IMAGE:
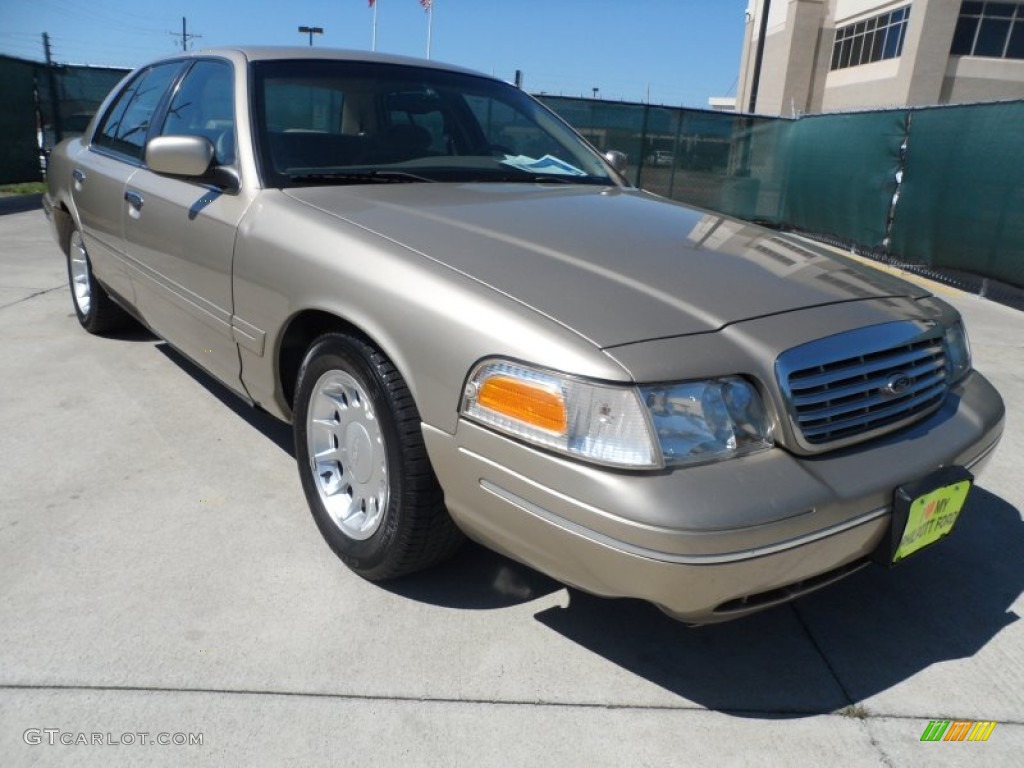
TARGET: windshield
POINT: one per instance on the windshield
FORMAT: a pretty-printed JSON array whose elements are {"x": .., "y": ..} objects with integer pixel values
[{"x": 342, "y": 122}]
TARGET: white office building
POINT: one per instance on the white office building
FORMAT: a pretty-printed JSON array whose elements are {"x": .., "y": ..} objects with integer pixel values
[{"x": 803, "y": 56}]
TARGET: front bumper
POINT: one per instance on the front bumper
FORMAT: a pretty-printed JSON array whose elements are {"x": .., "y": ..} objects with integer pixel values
[{"x": 711, "y": 542}]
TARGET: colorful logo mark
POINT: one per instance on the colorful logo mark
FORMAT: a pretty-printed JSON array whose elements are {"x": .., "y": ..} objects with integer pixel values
[{"x": 958, "y": 730}]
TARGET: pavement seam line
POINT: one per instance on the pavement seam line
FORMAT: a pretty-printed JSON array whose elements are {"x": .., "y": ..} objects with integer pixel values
[
  {"x": 835, "y": 676},
  {"x": 396, "y": 698},
  {"x": 32, "y": 296},
  {"x": 450, "y": 700}
]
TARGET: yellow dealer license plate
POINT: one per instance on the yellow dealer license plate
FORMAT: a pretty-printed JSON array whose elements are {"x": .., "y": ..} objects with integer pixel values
[{"x": 931, "y": 516}]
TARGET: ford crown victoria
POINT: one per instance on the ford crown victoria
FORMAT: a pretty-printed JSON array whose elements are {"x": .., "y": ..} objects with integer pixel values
[{"x": 477, "y": 328}]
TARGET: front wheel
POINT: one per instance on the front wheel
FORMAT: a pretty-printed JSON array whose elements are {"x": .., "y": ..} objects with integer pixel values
[
  {"x": 362, "y": 462},
  {"x": 95, "y": 310}
]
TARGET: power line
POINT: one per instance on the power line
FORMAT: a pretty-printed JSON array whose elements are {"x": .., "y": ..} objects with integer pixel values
[
  {"x": 21, "y": 35},
  {"x": 91, "y": 15}
]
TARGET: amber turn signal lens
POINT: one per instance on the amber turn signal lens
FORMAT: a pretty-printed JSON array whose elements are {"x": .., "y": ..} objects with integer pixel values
[{"x": 527, "y": 402}]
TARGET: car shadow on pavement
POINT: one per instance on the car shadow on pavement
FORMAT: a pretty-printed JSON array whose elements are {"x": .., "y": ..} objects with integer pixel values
[
  {"x": 830, "y": 649},
  {"x": 826, "y": 651},
  {"x": 275, "y": 430},
  {"x": 133, "y": 331},
  {"x": 475, "y": 579},
  {"x": 20, "y": 203}
]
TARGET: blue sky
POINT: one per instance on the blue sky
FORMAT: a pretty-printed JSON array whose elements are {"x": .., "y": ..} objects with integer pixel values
[{"x": 683, "y": 50}]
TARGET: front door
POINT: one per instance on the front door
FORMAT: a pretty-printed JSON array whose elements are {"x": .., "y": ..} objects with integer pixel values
[{"x": 180, "y": 233}]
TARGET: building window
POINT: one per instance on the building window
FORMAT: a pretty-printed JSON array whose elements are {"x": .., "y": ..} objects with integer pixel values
[
  {"x": 990, "y": 29},
  {"x": 874, "y": 39}
]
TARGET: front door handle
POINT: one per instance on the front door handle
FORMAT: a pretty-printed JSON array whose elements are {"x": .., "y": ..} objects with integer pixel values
[
  {"x": 134, "y": 200},
  {"x": 78, "y": 175}
]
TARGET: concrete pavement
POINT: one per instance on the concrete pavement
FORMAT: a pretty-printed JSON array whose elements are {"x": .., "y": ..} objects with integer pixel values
[{"x": 160, "y": 574}]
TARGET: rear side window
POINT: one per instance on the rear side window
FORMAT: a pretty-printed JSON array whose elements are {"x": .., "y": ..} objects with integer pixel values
[{"x": 127, "y": 122}]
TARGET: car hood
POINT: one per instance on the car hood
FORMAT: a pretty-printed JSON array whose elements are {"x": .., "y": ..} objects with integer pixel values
[{"x": 615, "y": 265}]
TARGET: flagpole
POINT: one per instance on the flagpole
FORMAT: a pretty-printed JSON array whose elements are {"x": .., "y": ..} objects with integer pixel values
[
  {"x": 373, "y": 45},
  {"x": 430, "y": 25}
]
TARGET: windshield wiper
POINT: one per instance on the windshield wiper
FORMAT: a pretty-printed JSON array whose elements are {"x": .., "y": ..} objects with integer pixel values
[
  {"x": 357, "y": 177},
  {"x": 542, "y": 178},
  {"x": 547, "y": 178}
]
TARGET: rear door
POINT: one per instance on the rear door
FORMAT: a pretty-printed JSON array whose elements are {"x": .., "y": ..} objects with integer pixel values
[{"x": 101, "y": 173}]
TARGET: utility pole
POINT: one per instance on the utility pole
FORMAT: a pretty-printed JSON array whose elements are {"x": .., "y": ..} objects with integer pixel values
[
  {"x": 755, "y": 81},
  {"x": 51, "y": 78},
  {"x": 312, "y": 31},
  {"x": 184, "y": 34}
]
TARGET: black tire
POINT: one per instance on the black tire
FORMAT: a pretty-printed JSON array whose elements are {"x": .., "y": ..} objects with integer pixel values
[
  {"x": 413, "y": 529},
  {"x": 96, "y": 311}
]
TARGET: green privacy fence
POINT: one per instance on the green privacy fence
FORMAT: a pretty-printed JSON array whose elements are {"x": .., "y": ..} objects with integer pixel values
[
  {"x": 30, "y": 110},
  {"x": 961, "y": 203},
  {"x": 19, "y": 158},
  {"x": 840, "y": 174},
  {"x": 939, "y": 187}
]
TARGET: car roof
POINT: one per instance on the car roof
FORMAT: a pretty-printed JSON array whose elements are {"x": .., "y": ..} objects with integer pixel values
[{"x": 280, "y": 53}]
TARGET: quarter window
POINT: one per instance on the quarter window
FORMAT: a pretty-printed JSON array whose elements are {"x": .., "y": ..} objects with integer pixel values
[
  {"x": 880, "y": 37},
  {"x": 127, "y": 122},
  {"x": 995, "y": 30}
]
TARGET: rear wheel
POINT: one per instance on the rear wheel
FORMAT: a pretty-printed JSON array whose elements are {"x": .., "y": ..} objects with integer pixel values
[
  {"x": 95, "y": 310},
  {"x": 362, "y": 462}
]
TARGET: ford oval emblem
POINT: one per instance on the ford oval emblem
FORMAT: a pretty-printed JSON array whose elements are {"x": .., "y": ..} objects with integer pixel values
[{"x": 896, "y": 385}]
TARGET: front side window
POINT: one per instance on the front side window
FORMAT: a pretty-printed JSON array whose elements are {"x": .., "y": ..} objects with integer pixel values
[
  {"x": 995, "y": 30},
  {"x": 863, "y": 42},
  {"x": 345, "y": 122},
  {"x": 127, "y": 122},
  {"x": 204, "y": 106}
]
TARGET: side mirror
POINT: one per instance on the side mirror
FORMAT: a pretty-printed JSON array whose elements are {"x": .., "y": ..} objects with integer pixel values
[
  {"x": 616, "y": 160},
  {"x": 180, "y": 155}
]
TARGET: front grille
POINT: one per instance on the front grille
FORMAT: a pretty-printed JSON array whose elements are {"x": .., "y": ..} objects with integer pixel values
[{"x": 887, "y": 376}]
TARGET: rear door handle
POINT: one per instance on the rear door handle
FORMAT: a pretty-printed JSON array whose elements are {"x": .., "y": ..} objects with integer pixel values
[
  {"x": 134, "y": 199},
  {"x": 78, "y": 175}
]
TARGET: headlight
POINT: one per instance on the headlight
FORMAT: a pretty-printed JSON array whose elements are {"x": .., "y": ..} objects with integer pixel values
[
  {"x": 598, "y": 422},
  {"x": 623, "y": 426},
  {"x": 958, "y": 352},
  {"x": 700, "y": 421}
]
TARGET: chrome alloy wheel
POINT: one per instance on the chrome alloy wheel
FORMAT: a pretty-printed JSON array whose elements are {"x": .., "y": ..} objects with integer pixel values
[
  {"x": 81, "y": 287},
  {"x": 348, "y": 457}
]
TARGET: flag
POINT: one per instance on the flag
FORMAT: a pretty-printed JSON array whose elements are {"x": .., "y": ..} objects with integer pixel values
[
  {"x": 426, "y": 4},
  {"x": 371, "y": 3}
]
